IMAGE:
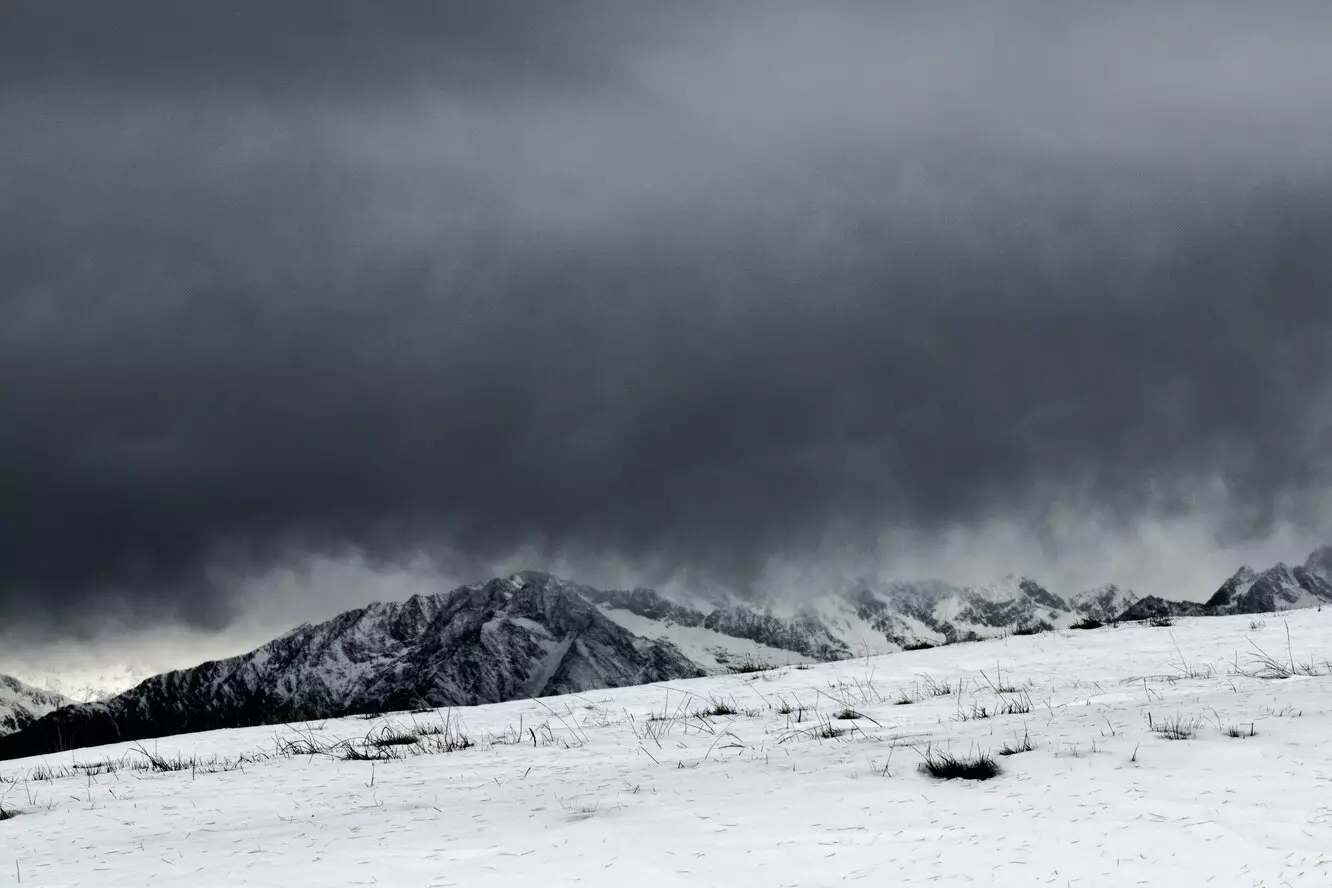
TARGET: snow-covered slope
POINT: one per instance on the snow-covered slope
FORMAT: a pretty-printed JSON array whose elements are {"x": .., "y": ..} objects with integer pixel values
[
  {"x": 638, "y": 786},
  {"x": 527, "y": 635},
  {"x": 21, "y": 704}
]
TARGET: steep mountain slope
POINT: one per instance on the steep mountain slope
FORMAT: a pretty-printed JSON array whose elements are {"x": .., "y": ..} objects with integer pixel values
[
  {"x": 21, "y": 704},
  {"x": 528, "y": 635},
  {"x": 1277, "y": 588}
]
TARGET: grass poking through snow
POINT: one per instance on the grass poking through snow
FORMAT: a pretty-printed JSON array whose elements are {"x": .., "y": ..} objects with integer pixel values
[{"x": 945, "y": 766}]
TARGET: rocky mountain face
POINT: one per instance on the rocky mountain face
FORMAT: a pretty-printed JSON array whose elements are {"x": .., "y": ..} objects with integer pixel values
[
  {"x": 1278, "y": 588},
  {"x": 533, "y": 634},
  {"x": 21, "y": 704},
  {"x": 528, "y": 635}
]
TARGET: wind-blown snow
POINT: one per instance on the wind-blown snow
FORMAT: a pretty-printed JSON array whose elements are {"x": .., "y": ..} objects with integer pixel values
[{"x": 594, "y": 793}]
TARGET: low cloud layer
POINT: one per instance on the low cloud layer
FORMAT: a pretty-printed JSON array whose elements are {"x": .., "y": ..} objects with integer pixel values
[{"x": 726, "y": 294}]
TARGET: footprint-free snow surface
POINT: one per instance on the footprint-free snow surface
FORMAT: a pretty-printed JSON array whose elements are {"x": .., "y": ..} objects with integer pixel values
[{"x": 1159, "y": 756}]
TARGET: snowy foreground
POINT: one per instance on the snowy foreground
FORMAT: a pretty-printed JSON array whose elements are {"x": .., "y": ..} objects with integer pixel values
[{"x": 634, "y": 788}]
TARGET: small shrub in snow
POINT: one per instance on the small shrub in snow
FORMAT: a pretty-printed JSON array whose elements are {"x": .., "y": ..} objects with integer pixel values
[
  {"x": 1087, "y": 623},
  {"x": 946, "y": 766}
]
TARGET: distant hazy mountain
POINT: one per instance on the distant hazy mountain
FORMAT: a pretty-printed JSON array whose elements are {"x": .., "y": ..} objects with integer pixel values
[
  {"x": 21, "y": 704},
  {"x": 859, "y": 619},
  {"x": 533, "y": 634}
]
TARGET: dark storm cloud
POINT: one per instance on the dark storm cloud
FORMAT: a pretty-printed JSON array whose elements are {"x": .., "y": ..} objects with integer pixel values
[{"x": 642, "y": 281}]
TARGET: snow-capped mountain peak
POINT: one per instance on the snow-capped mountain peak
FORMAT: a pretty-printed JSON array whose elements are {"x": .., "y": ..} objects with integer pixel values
[{"x": 22, "y": 704}]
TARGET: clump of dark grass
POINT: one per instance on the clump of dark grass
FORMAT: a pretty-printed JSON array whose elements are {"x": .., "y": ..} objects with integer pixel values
[
  {"x": 389, "y": 736},
  {"x": 1271, "y": 667},
  {"x": 977, "y": 712},
  {"x": 826, "y": 730},
  {"x": 454, "y": 741},
  {"x": 450, "y": 736},
  {"x": 937, "y": 688},
  {"x": 7, "y": 813},
  {"x": 301, "y": 746},
  {"x": 784, "y": 707},
  {"x": 1021, "y": 706},
  {"x": 918, "y": 645},
  {"x": 1177, "y": 728},
  {"x": 1236, "y": 732},
  {"x": 1087, "y": 623},
  {"x": 97, "y": 769},
  {"x": 49, "y": 772},
  {"x": 750, "y": 665},
  {"x": 1032, "y": 629},
  {"x": 848, "y": 714},
  {"x": 945, "y": 766},
  {"x": 998, "y": 685},
  {"x": 162, "y": 764},
  {"x": 1018, "y": 747},
  {"x": 350, "y": 753},
  {"x": 718, "y": 708}
]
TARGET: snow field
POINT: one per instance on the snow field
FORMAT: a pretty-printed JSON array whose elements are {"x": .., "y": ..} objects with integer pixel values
[{"x": 640, "y": 787}]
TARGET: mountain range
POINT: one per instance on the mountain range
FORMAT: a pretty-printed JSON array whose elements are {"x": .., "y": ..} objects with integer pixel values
[
  {"x": 533, "y": 634},
  {"x": 21, "y": 704}
]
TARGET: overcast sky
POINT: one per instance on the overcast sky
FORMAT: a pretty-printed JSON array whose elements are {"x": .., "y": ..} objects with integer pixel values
[{"x": 305, "y": 304}]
